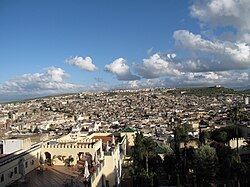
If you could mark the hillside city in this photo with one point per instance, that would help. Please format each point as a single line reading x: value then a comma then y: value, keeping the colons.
x: 144, y: 137
x: 130, y: 93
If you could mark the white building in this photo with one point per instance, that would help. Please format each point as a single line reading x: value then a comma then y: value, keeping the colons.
x: 104, y: 152
x: 247, y: 101
x: 13, y: 145
x: 14, y: 166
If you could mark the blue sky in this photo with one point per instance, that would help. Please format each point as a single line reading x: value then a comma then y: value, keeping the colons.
x: 50, y: 47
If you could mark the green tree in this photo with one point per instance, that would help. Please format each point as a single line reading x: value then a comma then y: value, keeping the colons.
x: 230, y: 166
x: 148, y: 150
x: 170, y: 163
x: 225, y: 134
x: 144, y: 154
x: 220, y: 136
x: 181, y: 133
x: 170, y: 166
x: 205, y: 160
x: 203, y: 136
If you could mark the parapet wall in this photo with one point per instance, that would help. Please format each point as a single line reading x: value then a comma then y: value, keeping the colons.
x: 87, y: 143
x: 67, y: 148
x: 70, y: 146
x: 233, y: 142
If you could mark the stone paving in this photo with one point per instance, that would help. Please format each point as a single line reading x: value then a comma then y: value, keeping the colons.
x: 50, y: 177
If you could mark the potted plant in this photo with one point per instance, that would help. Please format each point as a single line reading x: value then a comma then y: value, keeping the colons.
x: 68, y: 161
x: 53, y: 160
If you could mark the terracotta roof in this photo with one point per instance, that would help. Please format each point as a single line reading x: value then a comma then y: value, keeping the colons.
x: 105, y: 138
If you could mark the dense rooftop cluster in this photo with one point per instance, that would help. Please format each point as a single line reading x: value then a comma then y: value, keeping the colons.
x: 164, y: 126
x: 150, y: 110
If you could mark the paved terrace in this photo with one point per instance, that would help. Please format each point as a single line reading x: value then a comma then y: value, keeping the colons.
x: 54, y: 176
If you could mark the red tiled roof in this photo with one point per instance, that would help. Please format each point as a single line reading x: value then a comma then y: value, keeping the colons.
x: 105, y: 138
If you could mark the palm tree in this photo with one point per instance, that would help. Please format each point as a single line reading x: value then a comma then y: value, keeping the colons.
x: 235, y: 120
x: 143, y: 152
x: 148, y: 149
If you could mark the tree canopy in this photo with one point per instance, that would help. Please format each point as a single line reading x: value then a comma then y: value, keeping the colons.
x: 144, y: 157
x: 205, y: 161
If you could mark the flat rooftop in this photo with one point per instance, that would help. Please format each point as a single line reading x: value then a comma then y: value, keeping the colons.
x: 51, y: 176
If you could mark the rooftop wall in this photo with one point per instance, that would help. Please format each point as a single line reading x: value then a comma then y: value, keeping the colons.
x: 12, y: 145
x: 69, y: 148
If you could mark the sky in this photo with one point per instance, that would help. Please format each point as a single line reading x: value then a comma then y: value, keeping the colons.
x: 62, y: 46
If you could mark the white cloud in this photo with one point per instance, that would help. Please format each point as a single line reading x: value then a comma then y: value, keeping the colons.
x: 188, y: 40
x: 85, y: 64
x: 219, y: 13
x: 212, y: 55
x: 121, y: 70
x: 98, y: 87
x: 137, y: 84
x: 189, y: 79
x: 51, y: 82
x: 205, y: 61
x: 226, y: 78
x: 159, y: 65
x: 55, y: 74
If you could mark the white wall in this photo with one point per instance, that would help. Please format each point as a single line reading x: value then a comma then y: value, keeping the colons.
x: 9, y: 165
x: 12, y: 145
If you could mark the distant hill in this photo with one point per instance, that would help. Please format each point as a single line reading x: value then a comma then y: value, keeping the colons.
x: 247, y: 91
x: 198, y: 91
x: 208, y: 91
x: 20, y: 100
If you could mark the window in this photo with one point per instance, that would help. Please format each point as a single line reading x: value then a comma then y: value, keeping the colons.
x: 15, y: 170
x: 26, y: 164
x: 32, y: 162
x: 2, y: 177
x: 11, y: 174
